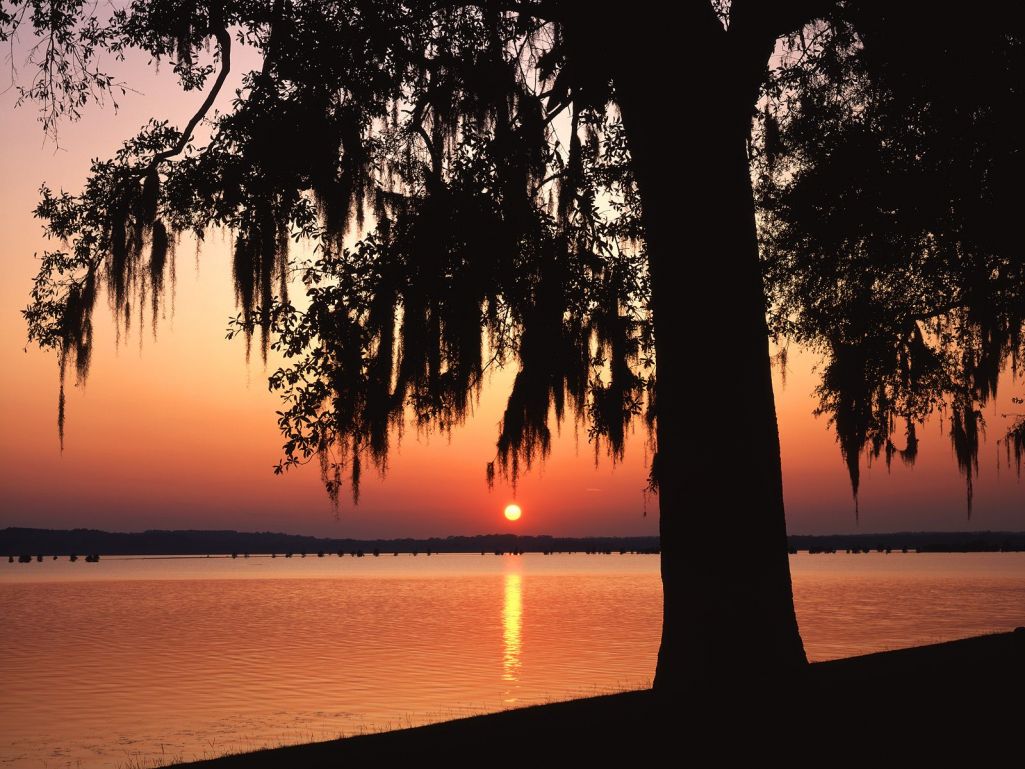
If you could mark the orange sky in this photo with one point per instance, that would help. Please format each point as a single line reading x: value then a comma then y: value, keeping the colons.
x: 181, y: 433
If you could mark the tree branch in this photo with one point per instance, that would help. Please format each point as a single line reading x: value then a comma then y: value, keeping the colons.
x: 224, y: 47
x: 275, y: 31
x: 538, y: 10
x: 756, y: 25
x: 749, y: 18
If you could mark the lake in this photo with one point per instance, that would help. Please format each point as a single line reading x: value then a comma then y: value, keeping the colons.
x: 134, y: 662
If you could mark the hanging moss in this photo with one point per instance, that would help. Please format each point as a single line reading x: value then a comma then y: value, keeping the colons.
x: 463, y: 178
x: 880, y: 167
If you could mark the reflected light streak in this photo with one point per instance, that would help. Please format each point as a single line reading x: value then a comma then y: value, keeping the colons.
x: 512, y: 623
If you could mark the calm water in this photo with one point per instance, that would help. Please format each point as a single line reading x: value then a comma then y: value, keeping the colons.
x: 134, y: 662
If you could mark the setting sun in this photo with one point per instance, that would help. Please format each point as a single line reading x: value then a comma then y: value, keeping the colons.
x: 513, y: 512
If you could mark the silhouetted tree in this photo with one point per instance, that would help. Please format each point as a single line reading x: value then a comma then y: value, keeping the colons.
x: 534, y: 182
x: 889, y: 180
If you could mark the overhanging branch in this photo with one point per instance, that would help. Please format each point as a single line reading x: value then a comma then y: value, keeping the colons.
x: 220, y: 32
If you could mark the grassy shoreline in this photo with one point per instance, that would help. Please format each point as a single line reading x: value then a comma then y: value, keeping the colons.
x: 950, y: 702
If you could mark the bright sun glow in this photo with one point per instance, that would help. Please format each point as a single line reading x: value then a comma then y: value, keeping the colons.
x: 513, y: 512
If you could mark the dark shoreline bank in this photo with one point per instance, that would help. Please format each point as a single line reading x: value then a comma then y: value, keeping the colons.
x: 954, y: 702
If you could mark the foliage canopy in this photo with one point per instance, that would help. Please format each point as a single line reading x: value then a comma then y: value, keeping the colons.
x: 889, y: 184
x: 465, y: 177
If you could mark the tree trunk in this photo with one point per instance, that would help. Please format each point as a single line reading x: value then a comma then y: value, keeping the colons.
x: 728, y: 602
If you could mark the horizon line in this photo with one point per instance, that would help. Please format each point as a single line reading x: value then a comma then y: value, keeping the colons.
x: 917, y: 532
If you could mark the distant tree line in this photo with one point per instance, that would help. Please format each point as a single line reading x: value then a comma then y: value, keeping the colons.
x: 16, y: 542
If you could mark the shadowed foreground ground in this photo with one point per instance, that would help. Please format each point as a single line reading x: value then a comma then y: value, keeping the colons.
x: 961, y: 702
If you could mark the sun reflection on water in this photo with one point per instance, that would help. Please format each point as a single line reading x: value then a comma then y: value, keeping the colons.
x: 512, y: 623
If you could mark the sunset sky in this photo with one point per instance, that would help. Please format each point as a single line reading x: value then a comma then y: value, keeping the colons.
x: 180, y: 432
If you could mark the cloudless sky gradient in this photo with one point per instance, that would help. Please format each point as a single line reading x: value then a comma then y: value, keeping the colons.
x: 178, y: 431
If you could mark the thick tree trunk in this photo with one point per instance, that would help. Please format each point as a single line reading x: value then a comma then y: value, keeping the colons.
x: 729, y: 608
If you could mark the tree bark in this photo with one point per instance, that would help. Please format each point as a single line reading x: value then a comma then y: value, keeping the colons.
x: 728, y: 601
